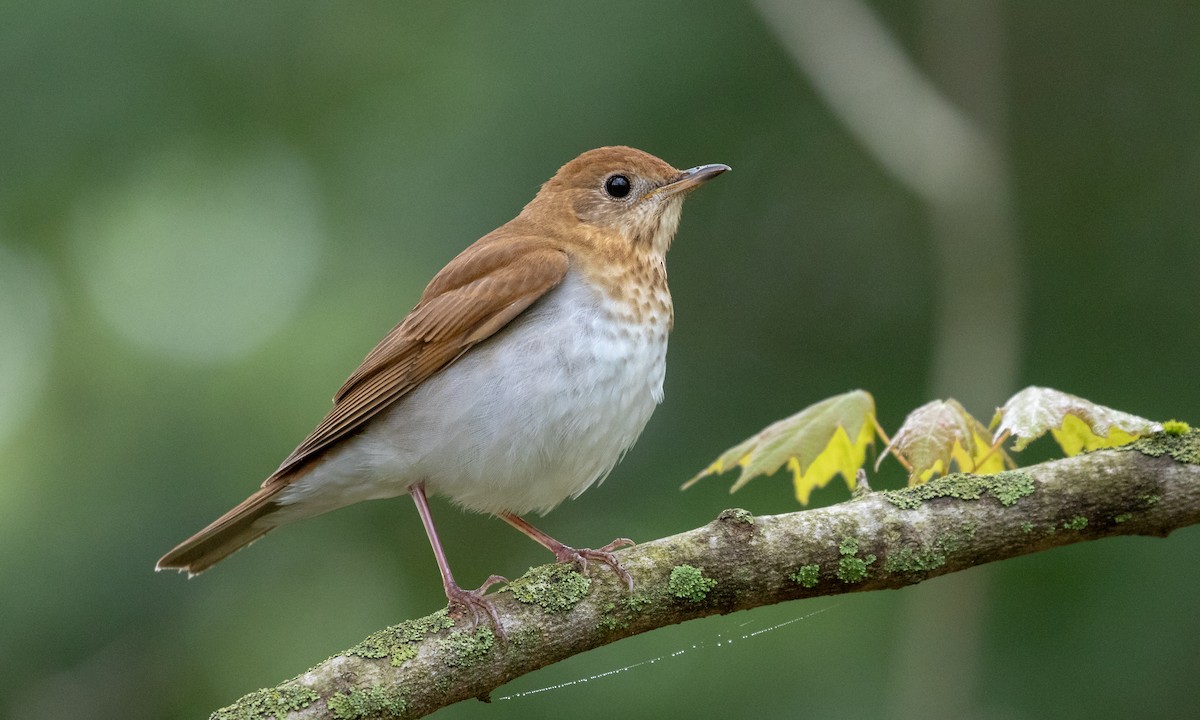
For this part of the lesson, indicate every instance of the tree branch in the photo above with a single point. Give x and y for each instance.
(879, 540)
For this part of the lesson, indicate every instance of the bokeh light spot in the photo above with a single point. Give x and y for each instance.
(201, 256)
(26, 294)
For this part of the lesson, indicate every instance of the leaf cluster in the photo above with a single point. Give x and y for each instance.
(831, 438)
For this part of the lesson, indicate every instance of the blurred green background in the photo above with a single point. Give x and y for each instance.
(210, 211)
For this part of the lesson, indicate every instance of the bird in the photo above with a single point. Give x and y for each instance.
(530, 364)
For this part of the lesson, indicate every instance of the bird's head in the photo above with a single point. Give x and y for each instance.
(629, 196)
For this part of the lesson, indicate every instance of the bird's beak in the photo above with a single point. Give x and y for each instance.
(692, 178)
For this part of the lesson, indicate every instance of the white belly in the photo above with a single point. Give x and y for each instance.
(532, 416)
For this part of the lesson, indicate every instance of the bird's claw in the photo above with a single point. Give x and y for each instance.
(604, 555)
(476, 601)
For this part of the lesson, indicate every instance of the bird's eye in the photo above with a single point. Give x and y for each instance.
(617, 186)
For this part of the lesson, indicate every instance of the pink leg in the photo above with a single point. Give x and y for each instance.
(473, 600)
(565, 553)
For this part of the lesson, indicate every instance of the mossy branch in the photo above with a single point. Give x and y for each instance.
(876, 541)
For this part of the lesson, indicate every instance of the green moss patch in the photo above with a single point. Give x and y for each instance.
(934, 555)
(807, 576)
(1184, 448)
(1078, 522)
(851, 568)
(269, 702)
(910, 560)
(399, 642)
(1176, 427)
(1008, 487)
(689, 583)
(369, 703)
(464, 649)
(554, 588)
(609, 619)
(854, 570)
(616, 615)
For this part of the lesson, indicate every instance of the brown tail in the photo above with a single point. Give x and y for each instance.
(224, 536)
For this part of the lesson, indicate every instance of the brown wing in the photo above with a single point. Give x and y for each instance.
(478, 293)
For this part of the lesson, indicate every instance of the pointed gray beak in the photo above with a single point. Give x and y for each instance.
(693, 177)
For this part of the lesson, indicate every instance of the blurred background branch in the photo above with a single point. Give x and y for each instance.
(946, 147)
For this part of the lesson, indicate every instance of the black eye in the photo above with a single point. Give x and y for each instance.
(617, 186)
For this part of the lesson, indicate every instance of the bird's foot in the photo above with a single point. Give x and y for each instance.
(582, 556)
(476, 602)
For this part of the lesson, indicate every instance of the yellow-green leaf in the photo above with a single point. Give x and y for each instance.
(826, 439)
(940, 433)
(985, 458)
(1075, 436)
(1076, 424)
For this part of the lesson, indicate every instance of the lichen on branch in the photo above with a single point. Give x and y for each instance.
(880, 540)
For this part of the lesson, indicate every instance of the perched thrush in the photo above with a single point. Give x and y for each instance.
(531, 363)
